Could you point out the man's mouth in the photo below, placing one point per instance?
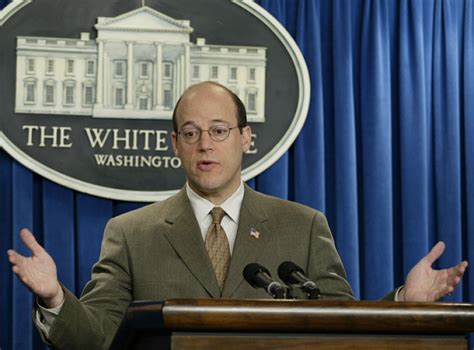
(206, 165)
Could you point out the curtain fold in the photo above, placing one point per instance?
(6, 241)
(308, 167)
(344, 144)
(468, 145)
(58, 228)
(446, 130)
(22, 216)
(375, 151)
(387, 153)
(414, 135)
(91, 215)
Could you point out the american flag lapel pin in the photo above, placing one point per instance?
(254, 233)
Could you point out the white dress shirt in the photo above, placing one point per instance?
(230, 222)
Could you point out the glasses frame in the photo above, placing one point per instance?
(211, 136)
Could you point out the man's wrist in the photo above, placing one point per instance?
(55, 301)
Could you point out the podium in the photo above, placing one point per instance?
(294, 324)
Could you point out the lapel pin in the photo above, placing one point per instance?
(254, 233)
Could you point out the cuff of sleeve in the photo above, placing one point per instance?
(45, 317)
(41, 324)
(48, 313)
(397, 293)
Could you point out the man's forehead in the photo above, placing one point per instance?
(206, 92)
(206, 101)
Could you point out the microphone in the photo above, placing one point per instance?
(290, 273)
(259, 277)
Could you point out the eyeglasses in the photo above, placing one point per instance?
(216, 133)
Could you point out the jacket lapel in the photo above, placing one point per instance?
(184, 235)
(248, 246)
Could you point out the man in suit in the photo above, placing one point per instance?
(177, 249)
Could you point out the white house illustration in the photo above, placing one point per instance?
(137, 67)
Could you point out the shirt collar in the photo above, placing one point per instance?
(202, 206)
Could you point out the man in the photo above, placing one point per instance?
(176, 249)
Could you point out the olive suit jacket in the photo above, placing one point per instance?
(157, 252)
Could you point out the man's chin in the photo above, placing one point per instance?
(205, 187)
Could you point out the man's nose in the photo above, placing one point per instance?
(205, 141)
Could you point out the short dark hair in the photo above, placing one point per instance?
(239, 107)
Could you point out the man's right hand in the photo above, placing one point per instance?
(38, 271)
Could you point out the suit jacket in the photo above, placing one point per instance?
(157, 253)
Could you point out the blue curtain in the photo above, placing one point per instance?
(387, 152)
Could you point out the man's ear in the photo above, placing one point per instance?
(174, 142)
(246, 138)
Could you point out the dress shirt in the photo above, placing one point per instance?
(230, 222)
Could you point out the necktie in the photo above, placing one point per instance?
(218, 246)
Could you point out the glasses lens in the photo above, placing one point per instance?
(219, 132)
(190, 135)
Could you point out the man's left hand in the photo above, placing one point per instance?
(423, 283)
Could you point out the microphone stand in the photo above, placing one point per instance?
(310, 292)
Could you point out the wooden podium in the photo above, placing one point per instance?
(294, 324)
